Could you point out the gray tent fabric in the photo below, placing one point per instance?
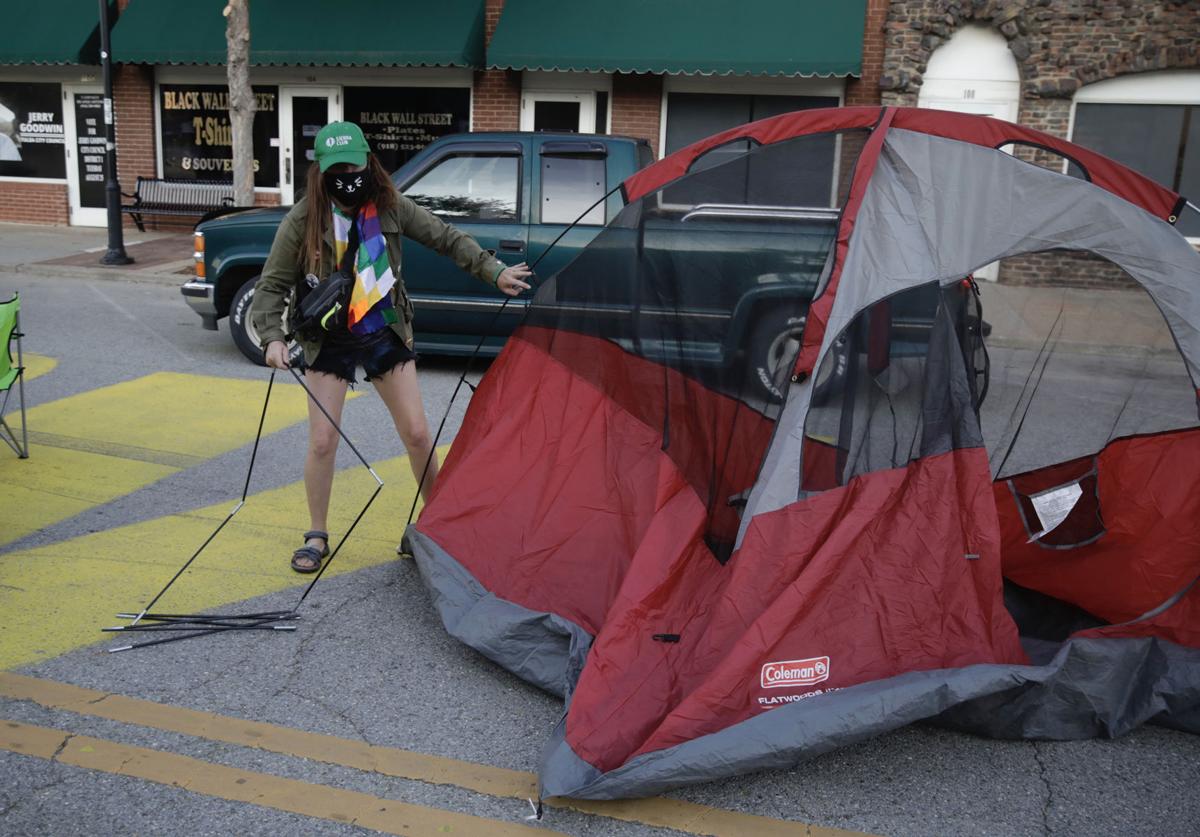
(542, 648)
(1058, 700)
(921, 221)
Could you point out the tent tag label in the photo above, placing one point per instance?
(1053, 506)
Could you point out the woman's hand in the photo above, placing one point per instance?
(276, 355)
(511, 280)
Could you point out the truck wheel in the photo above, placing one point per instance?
(244, 335)
(773, 347)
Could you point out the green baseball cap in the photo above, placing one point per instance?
(340, 142)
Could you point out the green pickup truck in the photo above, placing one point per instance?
(516, 193)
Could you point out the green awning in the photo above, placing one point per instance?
(50, 32)
(749, 37)
(310, 33)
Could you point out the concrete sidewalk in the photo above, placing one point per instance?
(75, 252)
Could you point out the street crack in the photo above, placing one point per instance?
(62, 746)
(1044, 775)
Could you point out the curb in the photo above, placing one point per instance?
(147, 276)
(1077, 347)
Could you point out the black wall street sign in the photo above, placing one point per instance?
(31, 130)
(400, 121)
(197, 140)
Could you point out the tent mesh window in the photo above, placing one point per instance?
(688, 308)
(1076, 364)
(1083, 402)
(1092, 431)
(902, 382)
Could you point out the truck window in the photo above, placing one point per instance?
(476, 187)
(570, 184)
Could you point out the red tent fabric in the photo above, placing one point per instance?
(936, 517)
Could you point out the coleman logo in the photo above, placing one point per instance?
(795, 672)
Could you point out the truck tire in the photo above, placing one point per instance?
(244, 335)
(774, 342)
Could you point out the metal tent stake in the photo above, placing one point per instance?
(189, 625)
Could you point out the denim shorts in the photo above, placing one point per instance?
(377, 353)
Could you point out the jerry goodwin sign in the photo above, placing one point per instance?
(31, 130)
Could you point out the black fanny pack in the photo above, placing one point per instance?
(324, 308)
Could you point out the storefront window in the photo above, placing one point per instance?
(695, 116)
(1160, 141)
(400, 121)
(197, 142)
(31, 130)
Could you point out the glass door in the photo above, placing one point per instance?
(83, 116)
(303, 111)
(560, 112)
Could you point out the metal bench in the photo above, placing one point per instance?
(161, 196)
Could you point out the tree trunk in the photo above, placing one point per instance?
(241, 100)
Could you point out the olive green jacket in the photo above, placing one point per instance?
(284, 270)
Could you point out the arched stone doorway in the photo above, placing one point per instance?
(973, 72)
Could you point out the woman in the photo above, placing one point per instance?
(351, 199)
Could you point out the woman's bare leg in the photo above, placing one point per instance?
(323, 439)
(399, 391)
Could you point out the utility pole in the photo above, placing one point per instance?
(112, 189)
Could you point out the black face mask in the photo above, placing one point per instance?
(348, 188)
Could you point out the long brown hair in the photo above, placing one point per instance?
(382, 192)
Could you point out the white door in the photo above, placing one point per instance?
(83, 121)
(302, 112)
(558, 111)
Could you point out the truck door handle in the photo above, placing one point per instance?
(512, 245)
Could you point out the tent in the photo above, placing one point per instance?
(768, 469)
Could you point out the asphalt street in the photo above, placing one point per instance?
(369, 716)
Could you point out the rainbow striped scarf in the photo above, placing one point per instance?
(370, 302)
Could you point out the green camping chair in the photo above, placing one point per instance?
(10, 327)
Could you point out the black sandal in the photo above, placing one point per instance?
(307, 559)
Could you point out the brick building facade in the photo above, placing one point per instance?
(629, 103)
(1060, 50)
(1059, 45)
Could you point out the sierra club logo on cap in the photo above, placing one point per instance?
(340, 142)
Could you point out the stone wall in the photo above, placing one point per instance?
(1060, 45)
